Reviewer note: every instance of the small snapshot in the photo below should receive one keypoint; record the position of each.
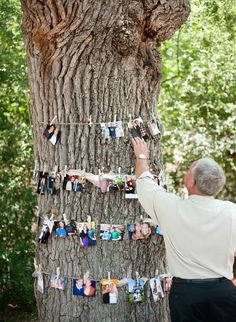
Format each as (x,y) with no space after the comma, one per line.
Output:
(42,182)
(112,130)
(112,232)
(54,183)
(58,281)
(110,291)
(111,182)
(52,134)
(84,287)
(87,233)
(60,229)
(166,282)
(157,291)
(158,230)
(74,183)
(45,231)
(153,127)
(136,291)
(138,129)
(139,230)
(70,227)
(130,187)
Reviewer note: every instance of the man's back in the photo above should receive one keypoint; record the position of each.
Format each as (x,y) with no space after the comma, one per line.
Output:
(199,232)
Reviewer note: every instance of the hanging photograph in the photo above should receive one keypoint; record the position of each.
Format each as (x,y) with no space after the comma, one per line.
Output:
(111,182)
(110,291)
(136,291)
(157,291)
(74,183)
(138,129)
(112,130)
(42,183)
(52,133)
(84,287)
(130,187)
(45,231)
(40,285)
(112,232)
(58,281)
(158,230)
(54,183)
(166,282)
(153,127)
(70,227)
(60,229)
(87,233)
(139,230)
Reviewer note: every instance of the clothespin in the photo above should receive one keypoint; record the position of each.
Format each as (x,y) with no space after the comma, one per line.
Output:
(130,121)
(44,168)
(52,216)
(156,273)
(56,169)
(35,264)
(132,170)
(40,269)
(86,276)
(58,271)
(54,118)
(119,171)
(88,119)
(64,217)
(141,218)
(114,118)
(137,275)
(109,276)
(89,219)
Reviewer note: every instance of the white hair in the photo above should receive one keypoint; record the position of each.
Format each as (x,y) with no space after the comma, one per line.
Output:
(209,176)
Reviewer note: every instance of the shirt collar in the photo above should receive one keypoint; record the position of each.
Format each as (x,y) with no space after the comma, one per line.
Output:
(200,198)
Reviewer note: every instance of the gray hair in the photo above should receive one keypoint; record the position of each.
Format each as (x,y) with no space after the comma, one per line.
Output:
(209,176)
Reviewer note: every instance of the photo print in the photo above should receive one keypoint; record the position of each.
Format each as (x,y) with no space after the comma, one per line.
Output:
(58,281)
(136,291)
(84,287)
(112,130)
(74,183)
(158,230)
(52,133)
(42,183)
(110,291)
(54,183)
(166,282)
(70,227)
(45,231)
(157,291)
(111,182)
(112,232)
(153,127)
(139,230)
(138,129)
(87,233)
(130,187)
(60,229)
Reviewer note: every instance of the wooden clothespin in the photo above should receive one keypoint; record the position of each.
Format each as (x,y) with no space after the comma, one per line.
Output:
(130,121)
(88,119)
(119,171)
(89,219)
(86,276)
(52,217)
(156,273)
(58,272)
(137,275)
(109,276)
(53,120)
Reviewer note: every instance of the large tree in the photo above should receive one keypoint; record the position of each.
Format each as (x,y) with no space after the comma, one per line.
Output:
(96,58)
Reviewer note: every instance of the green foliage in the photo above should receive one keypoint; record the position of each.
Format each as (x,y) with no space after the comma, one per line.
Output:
(17,200)
(197,103)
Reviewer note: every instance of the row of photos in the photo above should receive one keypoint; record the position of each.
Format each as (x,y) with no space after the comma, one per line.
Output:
(87,288)
(86,231)
(113,130)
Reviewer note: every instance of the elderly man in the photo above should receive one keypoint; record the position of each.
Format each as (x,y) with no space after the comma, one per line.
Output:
(200,239)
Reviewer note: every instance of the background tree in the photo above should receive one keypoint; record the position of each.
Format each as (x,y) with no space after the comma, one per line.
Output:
(16,196)
(95,58)
(197,102)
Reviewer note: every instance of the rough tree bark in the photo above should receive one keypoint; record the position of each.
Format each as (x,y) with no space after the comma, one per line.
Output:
(98,58)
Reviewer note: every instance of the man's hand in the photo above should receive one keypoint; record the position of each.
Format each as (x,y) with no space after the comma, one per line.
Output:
(141,154)
(140,147)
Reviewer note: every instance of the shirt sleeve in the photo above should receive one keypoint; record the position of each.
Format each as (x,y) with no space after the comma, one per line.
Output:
(154,199)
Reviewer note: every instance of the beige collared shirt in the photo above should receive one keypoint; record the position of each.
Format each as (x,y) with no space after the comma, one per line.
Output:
(199,232)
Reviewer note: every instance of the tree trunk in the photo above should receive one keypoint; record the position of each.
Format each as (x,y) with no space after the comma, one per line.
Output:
(96,58)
